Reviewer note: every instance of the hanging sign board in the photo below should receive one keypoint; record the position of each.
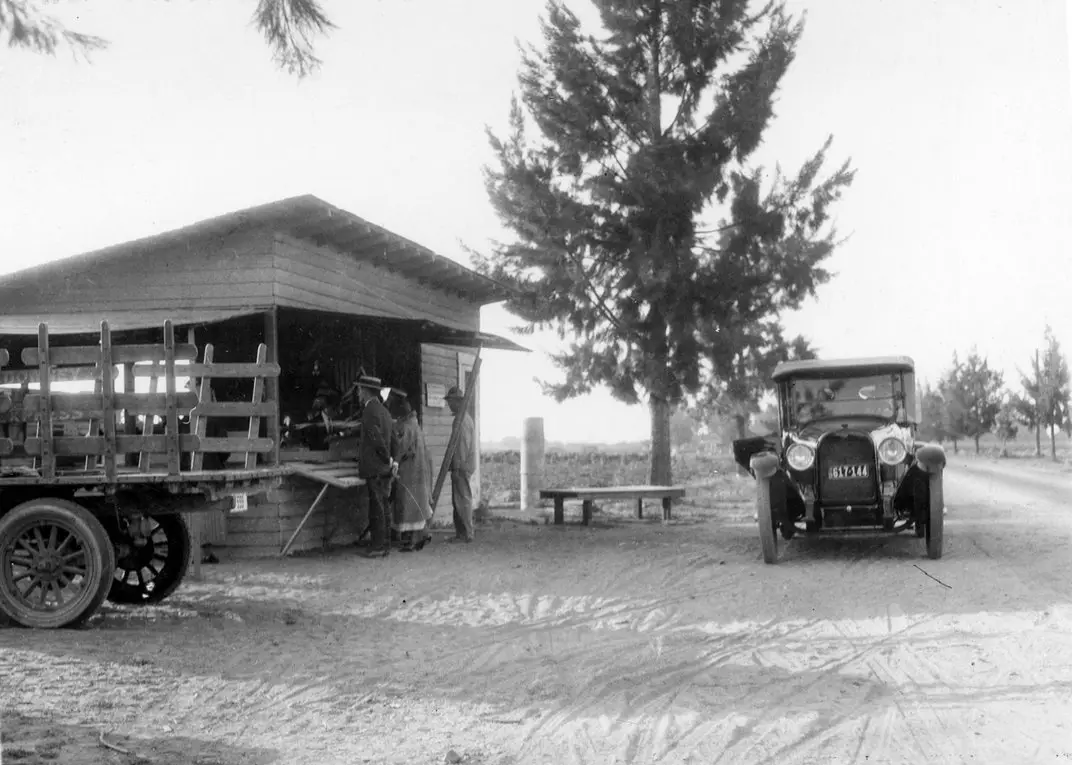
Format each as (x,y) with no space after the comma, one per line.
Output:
(434,395)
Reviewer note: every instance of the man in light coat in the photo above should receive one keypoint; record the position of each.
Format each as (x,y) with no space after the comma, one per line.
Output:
(462,467)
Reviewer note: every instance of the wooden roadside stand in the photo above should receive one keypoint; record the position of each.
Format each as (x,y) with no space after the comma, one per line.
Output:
(343,474)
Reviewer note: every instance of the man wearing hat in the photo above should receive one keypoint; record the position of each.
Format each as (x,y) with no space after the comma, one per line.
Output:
(374,462)
(462,468)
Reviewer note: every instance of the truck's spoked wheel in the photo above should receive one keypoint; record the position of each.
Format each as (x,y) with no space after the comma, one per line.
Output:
(55,564)
(148,574)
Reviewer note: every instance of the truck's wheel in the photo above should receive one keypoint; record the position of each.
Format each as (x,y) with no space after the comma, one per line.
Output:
(56,563)
(768,539)
(935,517)
(148,574)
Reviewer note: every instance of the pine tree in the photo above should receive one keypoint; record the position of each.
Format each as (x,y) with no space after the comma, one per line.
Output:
(287,26)
(973,392)
(933,408)
(1055,392)
(643,133)
(745,372)
(1006,423)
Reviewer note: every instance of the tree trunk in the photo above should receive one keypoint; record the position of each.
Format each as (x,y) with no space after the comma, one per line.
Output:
(976,444)
(954,446)
(741,421)
(1038,440)
(661,473)
(1005,447)
(1053,442)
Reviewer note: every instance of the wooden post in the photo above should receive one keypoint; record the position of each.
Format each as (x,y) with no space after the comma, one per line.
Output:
(171,420)
(258,394)
(200,422)
(48,459)
(455,434)
(106,384)
(271,339)
(130,419)
(532,455)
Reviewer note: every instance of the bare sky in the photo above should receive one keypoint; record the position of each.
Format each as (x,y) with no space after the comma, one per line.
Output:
(956,114)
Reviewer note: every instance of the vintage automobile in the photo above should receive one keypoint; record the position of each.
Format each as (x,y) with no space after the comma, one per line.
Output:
(846,456)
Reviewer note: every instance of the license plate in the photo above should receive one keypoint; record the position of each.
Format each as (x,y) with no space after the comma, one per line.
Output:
(848,471)
(241,503)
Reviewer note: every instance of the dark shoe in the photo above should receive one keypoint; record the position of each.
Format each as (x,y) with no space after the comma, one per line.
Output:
(377,552)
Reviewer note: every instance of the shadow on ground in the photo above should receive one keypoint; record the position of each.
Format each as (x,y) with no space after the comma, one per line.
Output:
(30,740)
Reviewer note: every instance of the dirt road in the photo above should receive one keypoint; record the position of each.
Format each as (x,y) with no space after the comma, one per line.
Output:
(629,642)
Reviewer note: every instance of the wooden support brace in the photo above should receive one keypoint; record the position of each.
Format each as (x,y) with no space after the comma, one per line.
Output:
(304,520)
(107,383)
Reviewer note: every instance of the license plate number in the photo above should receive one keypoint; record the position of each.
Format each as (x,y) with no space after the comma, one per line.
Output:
(848,471)
(241,503)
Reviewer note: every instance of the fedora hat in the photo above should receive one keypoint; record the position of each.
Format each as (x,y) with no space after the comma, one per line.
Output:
(368,381)
(454,393)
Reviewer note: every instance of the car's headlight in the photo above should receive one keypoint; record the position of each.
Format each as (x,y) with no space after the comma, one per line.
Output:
(892,451)
(800,457)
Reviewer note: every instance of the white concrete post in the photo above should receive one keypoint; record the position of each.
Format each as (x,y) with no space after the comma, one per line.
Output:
(532,451)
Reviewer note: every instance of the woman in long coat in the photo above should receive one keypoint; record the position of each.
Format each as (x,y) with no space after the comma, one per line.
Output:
(411,509)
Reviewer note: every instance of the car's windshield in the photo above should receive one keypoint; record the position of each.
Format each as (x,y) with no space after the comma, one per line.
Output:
(877,396)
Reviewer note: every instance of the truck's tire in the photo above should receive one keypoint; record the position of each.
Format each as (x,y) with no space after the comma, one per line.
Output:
(935,516)
(148,574)
(56,563)
(768,539)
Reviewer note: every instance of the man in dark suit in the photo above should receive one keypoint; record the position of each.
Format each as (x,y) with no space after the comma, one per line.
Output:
(374,462)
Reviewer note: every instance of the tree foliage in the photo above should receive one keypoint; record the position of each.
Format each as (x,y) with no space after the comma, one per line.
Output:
(973,393)
(288,27)
(933,426)
(606,197)
(1006,423)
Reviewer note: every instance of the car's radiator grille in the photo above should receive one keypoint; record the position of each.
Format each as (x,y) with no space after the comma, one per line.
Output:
(844,455)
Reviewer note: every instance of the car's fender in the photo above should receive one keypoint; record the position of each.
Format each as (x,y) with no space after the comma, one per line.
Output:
(764,465)
(931,458)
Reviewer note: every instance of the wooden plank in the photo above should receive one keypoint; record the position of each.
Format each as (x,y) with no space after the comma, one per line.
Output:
(93,404)
(233,409)
(455,434)
(171,418)
(200,420)
(332,280)
(254,420)
(271,340)
(615,492)
(44,428)
(6,446)
(80,446)
(212,370)
(121,354)
(94,421)
(108,418)
(236,445)
(57,374)
(145,459)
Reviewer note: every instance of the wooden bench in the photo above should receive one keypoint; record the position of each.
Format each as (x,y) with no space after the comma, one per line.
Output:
(588,495)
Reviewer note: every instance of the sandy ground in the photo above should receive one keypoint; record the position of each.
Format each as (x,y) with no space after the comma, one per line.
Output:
(629,642)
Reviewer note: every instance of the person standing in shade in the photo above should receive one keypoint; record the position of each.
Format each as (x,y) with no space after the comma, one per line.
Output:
(413,486)
(374,462)
(462,467)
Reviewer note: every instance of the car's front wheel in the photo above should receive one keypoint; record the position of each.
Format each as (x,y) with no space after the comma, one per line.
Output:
(768,538)
(935,516)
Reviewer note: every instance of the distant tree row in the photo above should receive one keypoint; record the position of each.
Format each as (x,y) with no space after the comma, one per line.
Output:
(971,400)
